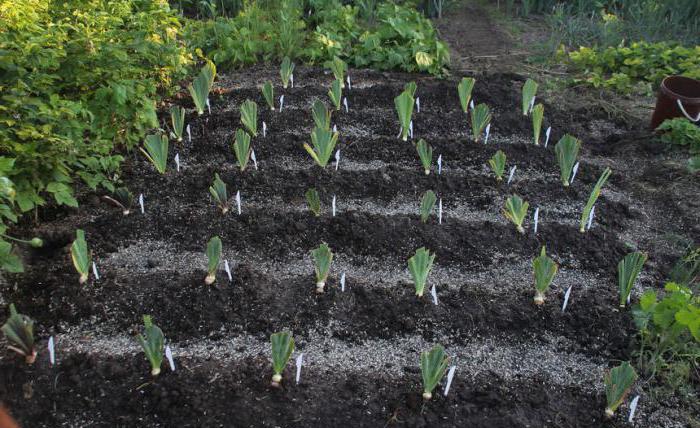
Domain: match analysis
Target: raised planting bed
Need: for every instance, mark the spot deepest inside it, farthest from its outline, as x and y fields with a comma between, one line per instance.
x=517, y=364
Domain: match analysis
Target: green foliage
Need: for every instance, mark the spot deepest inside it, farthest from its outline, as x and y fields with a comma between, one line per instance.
x=177, y=119
x=419, y=265
x=286, y=71
x=498, y=164
x=335, y=93
x=282, y=347
x=201, y=86
x=433, y=365
x=242, y=149
x=481, y=116
x=404, y=108
x=529, y=92
x=268, y=93
x=19, y=331
x=464, y=89
x=324, y=142
x=595, y=193
x=427, y=204
x=425, y=153
x=249, y=116
x=627, y=271
x=213, y=259
x=544, y=269
x=515, y=210
x=618, y=382
x=313, y=200
x=567, y=152
x=122, y=198
x=321, y=115
x=156, y=151
x=680, y=132
x=322, y=258
x=219, y=192
x=80, y=254
x=537, y=116
x=339, y=68
x=153, y=342
x=411, y=88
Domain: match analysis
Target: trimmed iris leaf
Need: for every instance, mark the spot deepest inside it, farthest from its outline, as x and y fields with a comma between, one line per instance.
x=595, y=193
x=322, y=116
x=268, y=93
x=627, y=271
x=433, y=365
x=19, y=331
x=286, y=71
x=404, y=108
x=324, y=142
x=537, y=116
x=249, y=116
x=152, y=341
x=322, y=258
x=481, y=116
x=219, y=193
x=427, y=204
x=335, y=93
x=313, y=200
x=498, y=164
x=464, y=89
x=122, y=198
x=420, y=265
x=411, y=88
x=425, y=153
x=213, y=259
x=567, y=152
x=81, y=256
x=515, y=210
x=242, y=149
x=339, y=68
x=201, y=86
x=544, y=269
x=529, y=92
x=177, y=117
x=618, y=383
x=156, y=151
x=282, y=348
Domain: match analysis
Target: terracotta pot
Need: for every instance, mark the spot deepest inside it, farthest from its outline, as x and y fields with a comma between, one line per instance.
x=678, y=96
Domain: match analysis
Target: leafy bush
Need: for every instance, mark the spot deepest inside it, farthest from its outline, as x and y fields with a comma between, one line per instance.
x=680, y=132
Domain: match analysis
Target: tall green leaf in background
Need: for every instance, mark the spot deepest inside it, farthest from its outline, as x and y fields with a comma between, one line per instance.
x=201, y=85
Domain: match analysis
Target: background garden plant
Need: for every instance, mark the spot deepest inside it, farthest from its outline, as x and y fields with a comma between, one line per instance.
x=219, y=193
x=425, y=153
x=464, y=90
x=249, y=116
x=322, y=258
x=481, y=117
x=213, y=259
x=324, y=142
x=595, y=193
x=19, y=331
x=427, y=204
x=152, y=341
x=177, y=119
x=567, y=152
x=313, y=200
x=498, y=164
x=201, y=86
x=404, y=108
x=268, y=94
x=618, y=382
x=156, y=151
x=282, y=347
x=515, y=210
x=433, y=365
x=627, y=271
x=420, y=265
x=242, y=149
x=544, y=269
x=80, y=254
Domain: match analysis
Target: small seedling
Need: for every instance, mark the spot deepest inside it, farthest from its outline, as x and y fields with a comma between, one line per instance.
x=618, y=382
x=335, y=93
x=338, y=67
x=544, y=269
x=122, y=198
x=242, y=149
x=593, y=198
x=464, y=89
x=324, y=142
x=313, y=200
x=537, y=116
x=213, y=259
x=322, y=257
x=19, y=330
x=81, y=256
x=481, y=117
x=529, y=91
x=282, y=348
x=249, y=116
x=220, y=194
x=152, y=341
x=156, y=151
x=627, y=271
x=411, y=88
x=201, y=85
x=427, y=204
x=425, y=153
x=286, y=71
x=433, y=365
x=268, y=93
x=420, y=265
x=515, y=210
x=567, y=152
x=321, y=115
x=498, y=164
x=177, y=117
x=404, y=108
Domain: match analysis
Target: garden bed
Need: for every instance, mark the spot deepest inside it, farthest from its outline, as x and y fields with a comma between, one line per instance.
x=517, y=364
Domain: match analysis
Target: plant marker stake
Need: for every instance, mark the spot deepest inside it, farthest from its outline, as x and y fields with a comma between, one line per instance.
x=410, y=129
x=439, y=163
x=255, y=160
x=342, y=282
x=227, y=268
x=143, y=211
x=433, y=293
x=450, y=375
x=208, y=105
x=400, y=132
x=440, y=211
x=264, y=129
x=337, y=159
x=300, y=360
x=566, y=298
x=169, y=356
x=549, y=131
x=590, y=218
x=177, y=161
x=532, y=104
x=633, y=408
x=536, y=218
x=335, y=128
x=281, y=102
x=52, y=351
x=94, y=271
x=333, y=204
x=347, y=79
x=238, y=201
x=512, y=173
x=488, y=132
x=471, y=105
x=629, y=297
x=417, y=104
x=345, y=103
x=189, y=134
x=291, y=76
x=573, y=173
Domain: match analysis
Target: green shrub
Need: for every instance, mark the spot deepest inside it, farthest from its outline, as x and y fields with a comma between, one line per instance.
x=680, y=132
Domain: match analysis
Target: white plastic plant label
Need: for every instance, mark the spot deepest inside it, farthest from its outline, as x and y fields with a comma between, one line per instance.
x=264, y=129
x=471, y=105
x=433, y=293
x=342, y=282
x=633, y=408
x=512, y=173
x=208, y=106
x=300, y=360
x=52, y=351
x=450, y=376
x=255, y=160
x=345, y=104
x=227, y=268
x=169, y=356
x=410, y=129
x=590, y=218
x=291, y=77
x=547, y=133
x=566, y=298
x=95, y=272
x=238, y=201
x=281, y=102
x=573, y=173
x=536, y=219
x=439, y=164
x=440, y=211
x=347, y=80
x=177, y=162
x=337, y=159
x=487, y=133
x=333, y=205
x=143, y=211
x=189, y=134
x=417, y=104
